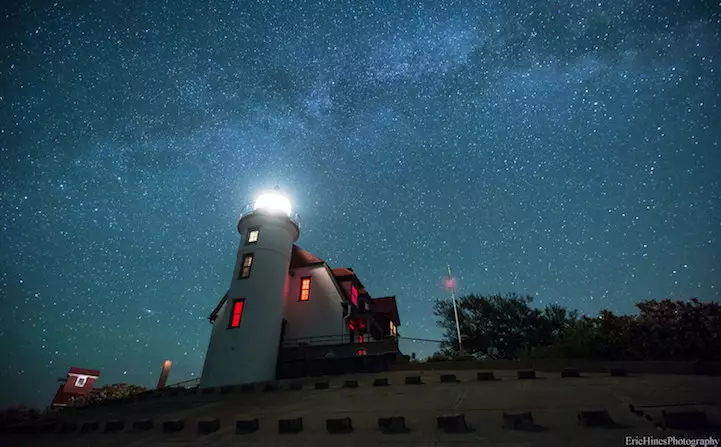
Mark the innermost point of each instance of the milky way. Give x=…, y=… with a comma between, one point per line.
x=569, y=151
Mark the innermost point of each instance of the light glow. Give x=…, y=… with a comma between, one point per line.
x=304, y=289
x=273, y=202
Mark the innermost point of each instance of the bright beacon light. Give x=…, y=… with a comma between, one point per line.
x=273, y=202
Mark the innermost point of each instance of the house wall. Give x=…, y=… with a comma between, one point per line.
x=322, y=314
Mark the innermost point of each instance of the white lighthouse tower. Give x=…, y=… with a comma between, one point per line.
x=247, y=325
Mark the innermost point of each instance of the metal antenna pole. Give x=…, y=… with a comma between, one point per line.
x=455, y=309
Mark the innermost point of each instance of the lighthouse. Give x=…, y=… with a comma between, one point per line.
x=248, y=321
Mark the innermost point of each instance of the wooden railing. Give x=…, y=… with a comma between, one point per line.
x=317, y=341
x=192, y=383
x=337, y=350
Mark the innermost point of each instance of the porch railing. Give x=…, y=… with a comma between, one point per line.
x=317, y=341
x=192, y=383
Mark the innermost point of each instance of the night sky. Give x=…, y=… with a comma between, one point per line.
x=569, y=151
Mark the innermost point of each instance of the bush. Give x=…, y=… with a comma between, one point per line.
x=107, y=393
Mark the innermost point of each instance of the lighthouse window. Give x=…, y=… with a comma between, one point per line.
x=247, y=264
x=304, y=289
x=353, y=295
x=236, y=313
x=80, y=381
x=252, y=236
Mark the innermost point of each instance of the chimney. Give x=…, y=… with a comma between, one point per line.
x=164, y=373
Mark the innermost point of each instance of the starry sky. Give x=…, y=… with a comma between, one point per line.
x=568, y=150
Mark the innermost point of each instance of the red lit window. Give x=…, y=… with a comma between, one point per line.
x=360, y=352
x=351, y=325
x=360, y=339
x=354, y=295
x=236, y=313
x=247, y=264
x=304, y=289
x=361, y=324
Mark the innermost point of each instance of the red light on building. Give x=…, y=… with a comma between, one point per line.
x=237, y=313
x=361, y=352
x=450, y=283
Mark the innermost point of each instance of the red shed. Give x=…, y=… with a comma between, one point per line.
x=78, y=382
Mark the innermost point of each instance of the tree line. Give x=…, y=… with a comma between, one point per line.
x=509, y=327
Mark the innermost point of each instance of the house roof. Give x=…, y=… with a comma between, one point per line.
x=302, y=258
x=342, y=271
x=84, y=371
x=386, y=305
x=345, y=273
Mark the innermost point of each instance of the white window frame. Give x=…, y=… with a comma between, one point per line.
x=80, y=381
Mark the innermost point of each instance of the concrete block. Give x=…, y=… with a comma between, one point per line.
x=448, y=378
x=295, y=386
x=290, y=426
x=518, y=421
x=525, y=374
x=191, y=391
x=143, y=424
x=414, y=380
x=570, y=372
x=173, y=426
x=393, y=425
x=321, y=385
x=208, y=426
x=485, y=375
x=595, y=418
x=244, y=427
x=380, y=381
x=685, y=420
x=114, y=425
x=453, y=424
x=89, y=426
x=339, y=426
x=350, y=384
